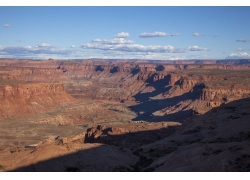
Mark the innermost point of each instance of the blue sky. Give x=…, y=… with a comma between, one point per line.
x=125, y=32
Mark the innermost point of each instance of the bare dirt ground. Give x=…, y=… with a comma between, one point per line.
x=63, y=121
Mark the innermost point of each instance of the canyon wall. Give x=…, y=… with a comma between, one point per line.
x=22, y=98
x=166, y=86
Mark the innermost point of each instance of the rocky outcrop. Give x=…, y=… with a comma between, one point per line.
x=28, y=98
x=26, y=91
x=130, y=135
x=32, y=74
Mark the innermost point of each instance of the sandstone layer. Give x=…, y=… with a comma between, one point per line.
x=22, y=98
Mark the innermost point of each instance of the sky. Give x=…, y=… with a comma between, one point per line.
x=125, y=32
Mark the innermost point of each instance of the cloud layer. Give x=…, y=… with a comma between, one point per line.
x=131, y=48
x=118, y=47
x=198, y=34
x=113, y=41
x=43, y=49
x=156, y=34
x=120, y=44
x=122, y=35
x=196, y=48
x=241, y=55
x=44, y=45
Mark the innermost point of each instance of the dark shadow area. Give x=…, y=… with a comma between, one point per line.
x=88, y=160
x=144, y=97
x=135, y=71
x=99, y=68
x=160, y=86
x=159, y=68
x=112, y=156
x=131, y=140
x=148, y=106
x=145, y=109
x=114, y=69
x=197, y=90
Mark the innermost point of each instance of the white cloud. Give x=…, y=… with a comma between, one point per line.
x=118, y=41
x=197, y=34
x=241, y=55
x=132, y=48
x=196, y=48
x=6, y=25
x=35, y=52
x=240, y=49
x=44, y=45
x=114, y=41
x=242, y=40
x=157, y=34
x=120, y=44
x=96, y=40
x=122, y=35
x=27, y=47
x=154, y=34
x=72, y=46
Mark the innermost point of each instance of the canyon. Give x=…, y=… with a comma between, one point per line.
x=124, y=115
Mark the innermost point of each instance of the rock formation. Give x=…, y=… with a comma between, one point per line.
x=151, y=113
x=22, y=98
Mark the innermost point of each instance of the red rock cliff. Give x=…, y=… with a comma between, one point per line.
x=20, y=99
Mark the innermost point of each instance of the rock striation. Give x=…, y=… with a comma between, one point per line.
x=167, y=86
x=22, y=98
